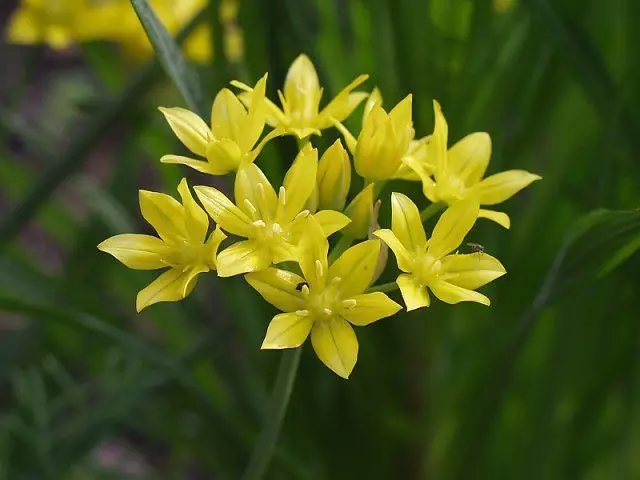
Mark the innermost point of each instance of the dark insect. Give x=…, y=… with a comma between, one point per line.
x=301, y=285
x=475, y=247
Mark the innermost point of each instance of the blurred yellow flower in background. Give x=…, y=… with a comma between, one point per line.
x=182, y=245
x=428, y=263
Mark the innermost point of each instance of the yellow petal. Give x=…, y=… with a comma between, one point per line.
x=403, y=257
x=313, y=250
x=298, y=184
x=501, y=186
x=360, y=211
x=192, y=131
x=22, y=28
x=140, y=252
x=343, y=104
x=164, y=213
x=472, y=270
x=243, y=257
x=173, y=285
x=401, y=117
x=414, y=295
x=453, y=294
x=212, y=245
x=331, y=221
x=278, y=287
x=224, y=156
x=369, y=307
x=375, y=98
x=437, y=146
x=500, y=218
x=406, y=223
x=302, y=88
x=468, y=159
x=199, y=165
x=227, y=116
x=355, y=267
x=334, y=177
x=336, y=345
x=254, y=194
x=223, y=211
x=452, y=227
x=196, y=219
x=287, y=330
x=256, y=116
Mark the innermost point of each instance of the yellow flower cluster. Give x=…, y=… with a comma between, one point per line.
x=60, y=23
x=278, y=238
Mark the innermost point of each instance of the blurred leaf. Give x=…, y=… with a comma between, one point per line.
x=170, y=56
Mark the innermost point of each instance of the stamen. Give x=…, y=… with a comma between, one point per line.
x=327, y=311
x=303, y=213
x=305, y=290
x=319, y=269
x=350, y=303
x=302, y=313
x=259, y=223
x=276, y=228
x=282, y=196
x=336, y=280
x=262, y=201
x=250, y=207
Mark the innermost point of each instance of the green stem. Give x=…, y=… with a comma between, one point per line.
x=431, y=210
x=263, y=450
x=384, y=287
x=344, y=243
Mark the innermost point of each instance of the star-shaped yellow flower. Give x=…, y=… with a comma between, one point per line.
x=181, y=245
x=325, y=301
x=272, y=223
x=300, y=114
x=233, y=135
x=428, y=263
x=456, y=174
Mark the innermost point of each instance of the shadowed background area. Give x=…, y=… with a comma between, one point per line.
x=544, y=384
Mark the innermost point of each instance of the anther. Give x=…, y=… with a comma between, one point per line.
x=259, y=223
x=250, y=207
x=305, y=290
x=319, y=269
x=282, y=196
x=327, y=311
x=336, y=280
x=302, y=214
x=350, y=303
x=276, y=228
x=302, y=313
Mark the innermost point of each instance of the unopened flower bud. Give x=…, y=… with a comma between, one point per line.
x=334, y=178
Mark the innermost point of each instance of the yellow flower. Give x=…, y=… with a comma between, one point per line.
x=325, y=301
x=429, y=263
x=384, y=141
x=232, y=137
x=272, y=224
x=182, y=246
x=360, y=211
x=334, y=177
x=300, y=114
x=456, y=174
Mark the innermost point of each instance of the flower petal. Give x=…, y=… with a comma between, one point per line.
x=369, y=308
x=196, y=219
x=453, y=294
x=227, y=116
x=298, y=184
x=212, y=246
x=471, y=270
x=414, y=295
x=302, y=88
x=336, y=345
x=402, y=255
x=452, y=227
x=437, y=144
x=501, y=186
x=406, y=223
x=343, y=104
x=140, y=252
x=355, y=267
x=224, y=156
x=192, y=131
x=254, y=194
x=313, y=250
x=173, y=285
x=198, y=165
x=223, y=211
x=164, y=213
x=500, y=218
x=253, y=125
x=468, y=158
x=278, y=287
x=243, y=257
x=287, y=330
x=331, y=221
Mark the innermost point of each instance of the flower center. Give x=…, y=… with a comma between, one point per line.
x=427, y=269
x=326, y=303
x=451, y=189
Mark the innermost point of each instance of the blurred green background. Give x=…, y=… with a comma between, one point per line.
x=544, y=384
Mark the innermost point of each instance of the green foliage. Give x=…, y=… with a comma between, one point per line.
x=543, y=384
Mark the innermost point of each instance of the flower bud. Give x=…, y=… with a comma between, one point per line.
x=360, y=211
x=383, y=256
x=384, y=140
x=334, y=178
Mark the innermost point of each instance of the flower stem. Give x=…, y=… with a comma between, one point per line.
x=384, y=287
x=431, y=210
x=344, y=243
x=263, y=450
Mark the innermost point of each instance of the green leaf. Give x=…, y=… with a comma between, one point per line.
x=185, y=79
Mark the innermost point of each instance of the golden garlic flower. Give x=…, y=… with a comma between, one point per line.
x=272, y=223
x=325, y=301
x=233, y=135
x=300, y=114
x=455, y=175
x=428, y=263
x=182, y=246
